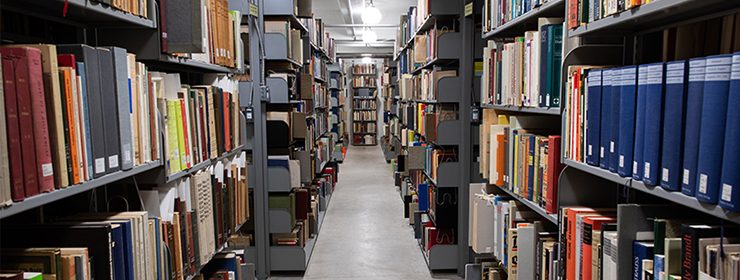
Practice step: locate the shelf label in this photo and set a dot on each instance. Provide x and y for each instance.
(254, 10)
(468, 9)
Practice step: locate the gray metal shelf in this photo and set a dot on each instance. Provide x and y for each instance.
(653, 15)
(44, 198)
(553, 218)
(440, 256)
(203, 164)
(527, 21)
(174, 63)
(522, 109)
(283, 9)
(82, 13)
(676, 197)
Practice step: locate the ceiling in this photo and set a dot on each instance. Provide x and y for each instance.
(334, 12)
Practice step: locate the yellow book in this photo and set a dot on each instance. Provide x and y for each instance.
(173, 151)
(180, 134)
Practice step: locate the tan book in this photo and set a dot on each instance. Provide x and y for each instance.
(5, 196)
(48, 261)
(135, 125)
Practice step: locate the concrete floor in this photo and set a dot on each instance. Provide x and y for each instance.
(364, 234)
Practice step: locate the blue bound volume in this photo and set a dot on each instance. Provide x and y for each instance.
(713, 120)
(593, 116)
(423, 197)
(614, 126)
(729, 198)
(639, 147)
(641, 250)
(694, 99)
(653, 123)
(627, 120)
(673, 124)
(606, 98)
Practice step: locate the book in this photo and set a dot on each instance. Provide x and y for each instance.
(616, 97)
(627, 107)
(673, 124)
(5, 180)
(554, 167)
(694, 99)
(109, 102)
(638, 156)
(81, 80)
(642, 250)
(593, 117)
(120, 78)
(606, 116)
(731, 153)
(713, 120)
(653, 123)
(69, 90)
(690, 235)
(17, 190)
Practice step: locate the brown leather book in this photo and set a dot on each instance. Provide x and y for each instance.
(17, 190)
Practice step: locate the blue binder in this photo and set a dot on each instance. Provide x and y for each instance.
(639, 147)
(713, 120)
(731, 161)
(673, 124)
(694, 99)
(614, 120)
(593, 116)
(627, 120)
(653, 123)
(605, 131)
(423, 194)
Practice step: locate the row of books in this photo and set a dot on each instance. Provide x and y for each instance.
(294, 47)
(364, 115)
(175, 238)
(500, 12)
(426, 45)
(201, 122)
(319, 37)
(365, 68)
(526, 247)
(360, 127)
(321, 123)
(668, 124)
(321, 95)
(364, 140)
(303, 206)
(219, 38)
(436, 156)
(134, 7)
(526, 70)
(56, 132)
(364, 104)
(363, 81)
(429, 79)
(317, 66)
(583, 12)
(665, 249)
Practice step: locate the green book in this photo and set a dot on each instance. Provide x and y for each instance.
(173, 150)
(179, 118)
(554, 56)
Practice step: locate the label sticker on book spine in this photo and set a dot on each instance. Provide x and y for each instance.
(99, 165)
(611, 147)
(726, 192)
(703, 183)
(47, 169)
(589, 149)
(647, 171)
(601, 152)
(634, 167)
(665, 174)
(113, 161)
(621, 160)
(686, 174)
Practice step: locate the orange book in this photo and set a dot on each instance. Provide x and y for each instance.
(71, 132)
(500, 160)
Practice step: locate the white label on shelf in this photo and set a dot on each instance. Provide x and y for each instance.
(113, 161)
(703, 183)
(726, 192)
(686, 174)
(621, 161)
(47, 169)
(611, 147)
(100, 165)
(634, 167)
(647, 171)
(665, 174)
(589, 149)
(601, 152)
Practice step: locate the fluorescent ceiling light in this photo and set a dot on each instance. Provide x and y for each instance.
(369, 37)
(371, 15)
(367, 60)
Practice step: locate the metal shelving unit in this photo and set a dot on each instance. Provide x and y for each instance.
(522, 109)
(527, 21)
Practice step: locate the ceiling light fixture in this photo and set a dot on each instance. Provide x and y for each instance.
(369, 36)
(367, 60)
(371, 15)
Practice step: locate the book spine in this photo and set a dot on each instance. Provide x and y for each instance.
(182, 141)
(627, 120)
(172, 137)
(694, 99)
(614, 119)
(673, 127)
(593, 117)
(17, 190)
(45, 171)
(731, 160)
(653, 123)
(109, 103)
(120, 65)
(554, 166)
(71, 131)
(605, 127)
(25, 120)
(713, 120)
(557, 37)
(86, 114)
(638, 158)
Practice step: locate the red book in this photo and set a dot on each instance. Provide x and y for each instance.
(554, 166)
(227, 130)
(191, 245)
(440, 236)
(218, 208)
(185, 132)
(44, 170)
(163, 24)
(572, 13)
(14, 135)
(590, 225)
(67, 60)
(152, 116)
(25, 118)
(302, 202)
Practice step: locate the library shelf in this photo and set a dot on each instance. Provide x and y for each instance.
(363, 109)
(334, 88)
(434, 182)
(292, 61)
(553, 218)
(319, 79)
(320, 51)
(527, 21)
(364, 133)
(219, 250)
(321, 107)
(363, 144)
(174, 63)
(354, 87)
(44, 198)
(673, 196)
(322, 166)
(81, 13)
(654, 14)
(363, 74)
(523, 109)
(434, 62)
(405, 47)
(364, 97)
(440, 256)
(203, 164)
